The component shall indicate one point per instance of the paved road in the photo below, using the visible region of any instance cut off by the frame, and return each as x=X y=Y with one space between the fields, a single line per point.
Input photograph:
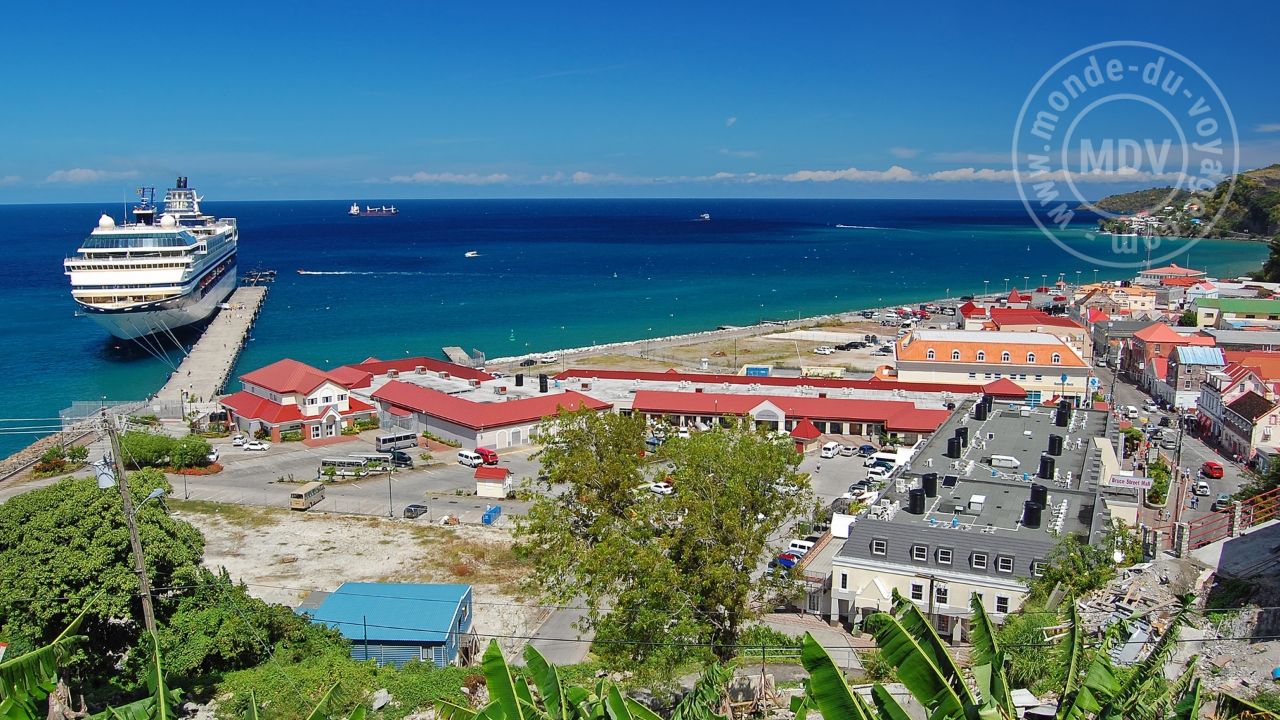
x=559 y=641
x=1194 y=454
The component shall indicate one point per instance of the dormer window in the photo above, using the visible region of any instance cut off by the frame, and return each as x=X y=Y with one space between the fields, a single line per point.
x=1056 y=358
x=1005 y=356
x=1031 y=358
x=982 y=356
x=955 y=354
x=929 y=355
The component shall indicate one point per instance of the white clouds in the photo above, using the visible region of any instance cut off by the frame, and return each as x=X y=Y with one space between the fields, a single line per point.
x=86 y=175
x=10 y=180
x=896 y=173
x=739 y=153
x=730 y=121
x=447 y=178
x=969 y=174
x=904 y=152
x=1267 y=128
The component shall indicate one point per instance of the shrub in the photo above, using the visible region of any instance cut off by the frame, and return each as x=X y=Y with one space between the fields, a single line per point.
x=78 y=454
x=291 y=436
x=190 y=451
x=145 y=449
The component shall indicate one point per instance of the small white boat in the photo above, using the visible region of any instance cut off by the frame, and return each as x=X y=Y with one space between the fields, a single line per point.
x=472 y=253
x=704 y=217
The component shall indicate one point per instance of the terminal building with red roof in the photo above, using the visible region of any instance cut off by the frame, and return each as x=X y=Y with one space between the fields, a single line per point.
x=497 y=424
x=288 y=395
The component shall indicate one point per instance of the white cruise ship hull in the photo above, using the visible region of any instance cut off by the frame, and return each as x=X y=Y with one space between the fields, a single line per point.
x=171 y=314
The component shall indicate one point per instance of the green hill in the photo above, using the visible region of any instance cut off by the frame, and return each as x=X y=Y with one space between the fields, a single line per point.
x=1252 y=210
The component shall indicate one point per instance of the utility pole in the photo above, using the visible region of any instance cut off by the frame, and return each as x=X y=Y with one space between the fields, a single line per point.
x=135 y=542
x=391 y=470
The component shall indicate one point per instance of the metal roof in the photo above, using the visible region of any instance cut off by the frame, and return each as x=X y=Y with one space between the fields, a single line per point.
x=392 y=612
x=1199 y=355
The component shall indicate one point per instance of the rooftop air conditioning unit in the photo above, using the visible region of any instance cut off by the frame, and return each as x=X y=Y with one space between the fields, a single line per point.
x=393 y=373
x=474 y=383
x=420 y=369
x=500 y=389
x=444 y=375
x=587 y=386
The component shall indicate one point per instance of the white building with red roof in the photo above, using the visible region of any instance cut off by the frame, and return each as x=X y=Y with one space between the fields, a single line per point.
x=1154 y=276
x=288 y=395
x=498 y=423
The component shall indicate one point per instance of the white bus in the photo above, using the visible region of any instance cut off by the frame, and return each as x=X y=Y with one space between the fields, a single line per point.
x=395 y=441
x=376 y=461
x=345 y=466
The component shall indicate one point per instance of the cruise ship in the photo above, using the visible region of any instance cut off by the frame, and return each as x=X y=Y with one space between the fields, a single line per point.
x=160 y=271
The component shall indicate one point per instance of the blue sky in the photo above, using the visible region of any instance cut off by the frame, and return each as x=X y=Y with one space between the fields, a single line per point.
x=590 y=99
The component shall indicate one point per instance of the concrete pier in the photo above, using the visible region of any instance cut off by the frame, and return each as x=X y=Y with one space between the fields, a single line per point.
x=458 y=356
x=206 y=369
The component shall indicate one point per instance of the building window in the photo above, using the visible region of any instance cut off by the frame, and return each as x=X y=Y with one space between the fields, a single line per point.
x=326 y=399
x=973 y=375
x=1056 y=359
x=1005 y=356
x=919 y=553
x=879 y=547
x=929 y=355
x=986 y=376
x=1039 y=378
x=1037 y=568
x=844 y=581
x=815 y=602
x=917 y=592
x=978 y=561
x=940 y=594
x=955 y=354
x=311 y=401
x=1031 y=358
x=1002 y=604
x=1004 y=563
x=944 y=556
x=315 y=431
x=342 y=396
x=982 y=356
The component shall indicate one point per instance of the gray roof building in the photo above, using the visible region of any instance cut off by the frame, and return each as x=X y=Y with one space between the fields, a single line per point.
x=982 y=519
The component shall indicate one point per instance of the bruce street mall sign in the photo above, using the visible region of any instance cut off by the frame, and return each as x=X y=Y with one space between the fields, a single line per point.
x=1129 y=481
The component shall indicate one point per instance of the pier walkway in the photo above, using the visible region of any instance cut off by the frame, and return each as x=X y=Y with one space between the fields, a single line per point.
x=205 y=371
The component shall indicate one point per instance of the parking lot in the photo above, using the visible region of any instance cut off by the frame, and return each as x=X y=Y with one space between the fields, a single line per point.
x=265 y=478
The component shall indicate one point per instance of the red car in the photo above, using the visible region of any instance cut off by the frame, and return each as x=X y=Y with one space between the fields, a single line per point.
x=1211 y=469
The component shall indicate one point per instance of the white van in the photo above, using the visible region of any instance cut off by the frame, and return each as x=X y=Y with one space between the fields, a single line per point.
x=470 y=458
x=1004 y=461
x=881 y=457
x=1131 y=412
x=830 y=450
x=800 y=547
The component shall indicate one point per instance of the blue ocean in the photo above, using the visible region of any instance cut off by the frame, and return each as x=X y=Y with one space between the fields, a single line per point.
x=549 y=274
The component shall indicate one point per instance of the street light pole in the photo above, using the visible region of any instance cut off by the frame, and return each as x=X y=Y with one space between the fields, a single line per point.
x=391 y=508
x=135 y=542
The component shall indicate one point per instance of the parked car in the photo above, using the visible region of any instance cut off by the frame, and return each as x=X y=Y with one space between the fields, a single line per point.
x=415 y=510
x=879 y=472
x=823 y=350
x=1201 y=488
x=829 y=450
x=213 y=455
x=859 y=487
x=1151 y=407
x=528 y=362
x=866 y=450
x=239 y=440
x=1211 y=469
x=786 y=561
x=1166 y=421
x=548 y=359
x=1222 y=502
x=257 y=445
x=848 y=450
x=662 y=488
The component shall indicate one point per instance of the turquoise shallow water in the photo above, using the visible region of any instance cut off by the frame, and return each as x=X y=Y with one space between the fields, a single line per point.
x=550 y=274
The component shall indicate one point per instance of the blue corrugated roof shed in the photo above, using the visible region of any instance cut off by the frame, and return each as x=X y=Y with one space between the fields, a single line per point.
x=1199 y=355
x=400 y=612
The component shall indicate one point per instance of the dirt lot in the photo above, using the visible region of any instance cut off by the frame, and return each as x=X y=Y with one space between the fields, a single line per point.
x=283 y=555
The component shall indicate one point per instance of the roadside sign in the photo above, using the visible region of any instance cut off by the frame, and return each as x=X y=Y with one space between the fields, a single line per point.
x=1130 y=481
x=1063 y=378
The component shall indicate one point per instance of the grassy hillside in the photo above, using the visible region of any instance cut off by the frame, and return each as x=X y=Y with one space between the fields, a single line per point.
x=1253 y=209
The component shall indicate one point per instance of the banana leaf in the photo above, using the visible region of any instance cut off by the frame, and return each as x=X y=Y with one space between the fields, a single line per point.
x=1188 y=707
x=914 y=622
x=917 y=670
x=1231 y=707
x=504 y=697
x=1072 y=649
x=986 y=652
x=886 y=704
x=547 y=679
x=30 y=677
x=827 y=688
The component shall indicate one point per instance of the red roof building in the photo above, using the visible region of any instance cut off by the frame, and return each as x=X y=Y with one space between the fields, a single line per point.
x=828 y=415
x=673 y=375
x=1156 y=340
x=805 y=430
x=291 y=396
x=405 y=366
x=490 y=424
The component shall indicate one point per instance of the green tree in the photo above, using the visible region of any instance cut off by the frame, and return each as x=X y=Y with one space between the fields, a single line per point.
x=676 y=568
x=190 y=451
x=1187 y=318
x=145 y=449
x=62 y=545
